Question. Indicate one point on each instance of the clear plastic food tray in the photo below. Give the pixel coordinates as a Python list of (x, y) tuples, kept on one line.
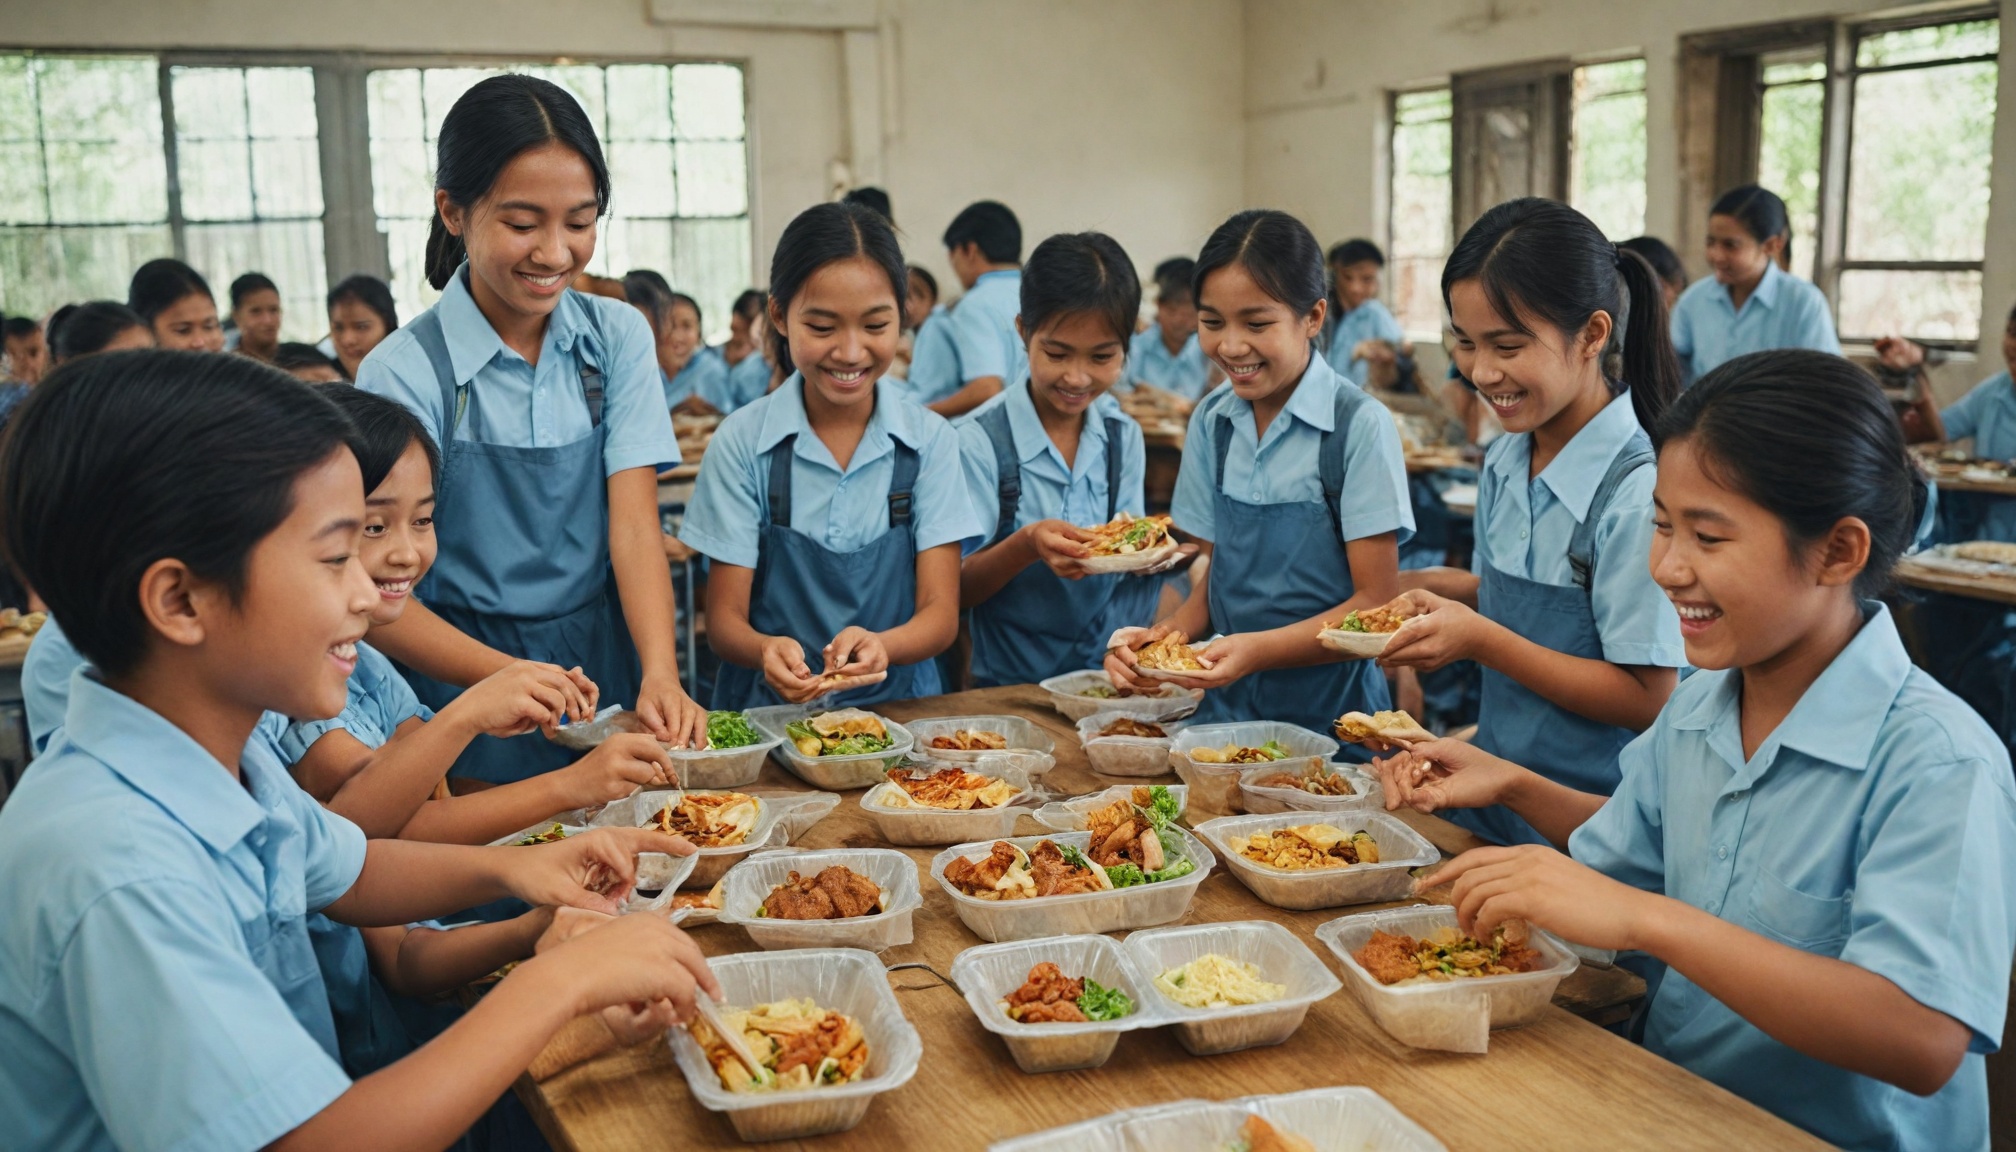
[(1281, 957), (583, 735), (833, 773), (662, 876), (1332, 1119), (1082, 914), (1069, 815), (749, 883), (1099, 1134), (1021, 733), (1215, 788), (988, 973), (842, 980), (781, 817), (697, 767), (1450, 1015), (1370, 796), (573, 822), (1126, 755), (1064, 697), (929, 827), (1400, 850)]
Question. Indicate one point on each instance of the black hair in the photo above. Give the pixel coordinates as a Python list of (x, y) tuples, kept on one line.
[(384, 430), (249, 283), (1173, 276), (1355, 251), (1274, 248), (487, 128), (655, 279), (1540, 258), (1660, 255), (15, 327), (924, 274), (817, 237), (160, 284), (1761, 212), (372, 293), (82, 329), (989, 224), (1811, 438), (748, 305), (873, 198), (1080, 272), (119, 461), (290, 356)]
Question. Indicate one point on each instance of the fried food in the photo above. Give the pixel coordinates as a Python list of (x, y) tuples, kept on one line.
[(1395, 727), (1314, 781), (13, 621), (1125, 535), (1009, 873), (1386, 618), (709, 819), (552, 833), (1257, 1135), (1214, 981), (1446, 954), (1308, 846), (836, 893), (1050, 997), (1240, 754), (1121, 835), (1172, 653), (971, 740), (799, 1044), (845, 732), (708, 899), (949, 789), (1127, 726)]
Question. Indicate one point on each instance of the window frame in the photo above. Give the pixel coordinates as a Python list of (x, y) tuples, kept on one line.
[(1393, 253)]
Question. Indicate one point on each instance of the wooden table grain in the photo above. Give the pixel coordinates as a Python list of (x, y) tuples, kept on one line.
[(1562, 1083), (2000, 589)]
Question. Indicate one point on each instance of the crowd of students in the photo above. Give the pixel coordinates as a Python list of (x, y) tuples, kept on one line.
[(305, 642)]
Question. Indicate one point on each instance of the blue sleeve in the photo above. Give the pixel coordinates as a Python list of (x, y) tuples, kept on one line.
[(1194, 506), (398, 369), (944, 511), (1375, 499), (1962, 420), (1635, 620), (1626, 838), (633, 409), (333, 852), (1815, 324), (726, 512), (747, 382), (980, 344), (934, 360), (1386, 325), (982, 475), (712, 385)]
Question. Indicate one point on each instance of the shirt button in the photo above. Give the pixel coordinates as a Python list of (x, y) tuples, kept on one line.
[(1256, 494), (1722, 853), (1522, 533)]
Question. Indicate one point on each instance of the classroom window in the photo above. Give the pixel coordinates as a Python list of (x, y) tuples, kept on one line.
[(1607, 146), (1422, 216), (1791, 104), (675, 140)]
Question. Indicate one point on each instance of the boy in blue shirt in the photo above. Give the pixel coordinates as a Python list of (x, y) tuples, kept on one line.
[(1364, 332), (984, 244), (1167, 355)]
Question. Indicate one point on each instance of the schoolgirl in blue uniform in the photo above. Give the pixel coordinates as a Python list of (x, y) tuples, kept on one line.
[(1813, 836), (553, 424), (695, 376), (1751, 303), (1294, 479), (832, 509), (1565, 337), (1049, 455)]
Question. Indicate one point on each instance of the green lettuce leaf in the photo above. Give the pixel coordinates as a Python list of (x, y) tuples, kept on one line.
[(1099, 1002)]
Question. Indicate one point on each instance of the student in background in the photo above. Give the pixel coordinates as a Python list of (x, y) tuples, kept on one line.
[(552, 420), (26, 351), (833, 508), (984, 244), (1665, 264), (95, 326), (1564, 336), (1751, 303), (933, 371), (361, 315), (875, 200), (1363, 331), (1167, 355), (255, 312), (693, 381), (306, 363), (749, 370), (1293, 480), (176, 303), (1807, 824)]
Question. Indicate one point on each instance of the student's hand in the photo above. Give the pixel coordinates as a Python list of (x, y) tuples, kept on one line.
[(669, 713), (784, 669), (635, 960), (1184, 554), (1122, 655), (1445, 632), (1546, 888), (617, 768), (1060, 545), (1899, 354), (523, 695), (855, 652), (1225, 659), (635, 1023), (1373, 352), (566, 923), (594, 870), (1440, 774)]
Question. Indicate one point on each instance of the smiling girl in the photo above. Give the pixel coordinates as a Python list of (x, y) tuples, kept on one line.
[(553, 425), (361, 315), (833, 507), (694, 381), (1751, 303), (176, 303)]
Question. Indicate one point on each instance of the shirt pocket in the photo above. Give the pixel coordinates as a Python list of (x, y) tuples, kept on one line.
[(1807, 922)]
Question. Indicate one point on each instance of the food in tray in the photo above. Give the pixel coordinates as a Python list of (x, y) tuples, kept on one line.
[(949, 789), (731, 730), (1108, 692), (14, 622), (1172, 653), (799, 1044), (1131, 838), (1125, 535), (710, 899), (1257, 1135), (1236, 753), (836, 893), (1308, 846), (1316, 781), (971, 740), (1395, 727), (709, 819), (1100, 692), (1050, 997), (555, 832), (1386, 618), (1446, 954), (1128, 726), (845, 732), (1986, 551), (1009, 873), (1214, 981)]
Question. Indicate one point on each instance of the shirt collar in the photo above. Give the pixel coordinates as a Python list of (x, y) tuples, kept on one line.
[(1575, 473), (998, 274), (1765, 295), (1315, 399), (784, 415), (1032, 440), (473, 343)]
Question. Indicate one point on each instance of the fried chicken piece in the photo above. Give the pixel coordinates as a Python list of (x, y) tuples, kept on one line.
[(1116, 842), (1390, 959), (1127, 726), (852, 894), (796, 899), (1047, 997), (971, 740), (1055, 877), (974, 879)]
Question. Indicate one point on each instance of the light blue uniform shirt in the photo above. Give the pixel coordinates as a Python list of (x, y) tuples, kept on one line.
[(843, 509), (157, 989), (380, 700), (934, 359), (1877, 825), (1987, 416), (1371, 320), (1281, 469), (519, 405), (747, 381), (1783, 312), (983, 328), (1524, 526), (45, 681), (1149, 361), (705, 376), (1051, 489)]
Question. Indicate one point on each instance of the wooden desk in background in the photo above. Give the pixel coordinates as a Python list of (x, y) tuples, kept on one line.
[(1560, 1084), (2000, 589)]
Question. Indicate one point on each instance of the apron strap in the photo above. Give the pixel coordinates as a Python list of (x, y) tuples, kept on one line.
[(779, 493), (1221, 443), (1636, 454), (1113, 468), (1007, 469), (901, 482), (1330, 455), (591, 376), (433, 341)]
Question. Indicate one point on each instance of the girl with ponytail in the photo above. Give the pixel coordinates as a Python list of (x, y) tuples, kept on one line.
[(1564, 335), (551, 417)]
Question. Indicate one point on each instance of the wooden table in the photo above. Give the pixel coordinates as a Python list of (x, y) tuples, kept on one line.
[(1562, 1083), (2001, 487), (1999, 589)]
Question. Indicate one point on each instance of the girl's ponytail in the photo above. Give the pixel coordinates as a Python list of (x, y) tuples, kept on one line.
[(1648, 363), (445, 253)]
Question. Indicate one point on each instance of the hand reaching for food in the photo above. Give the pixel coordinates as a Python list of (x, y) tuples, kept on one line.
[(1445, 774), (1061, 546), (785, 670), (855, 657), (1443, 632)]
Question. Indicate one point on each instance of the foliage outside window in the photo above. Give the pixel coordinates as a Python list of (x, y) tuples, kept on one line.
[(1420, 237)]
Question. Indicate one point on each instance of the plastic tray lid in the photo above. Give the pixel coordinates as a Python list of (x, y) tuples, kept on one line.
[(986, 973), (1280, 955)]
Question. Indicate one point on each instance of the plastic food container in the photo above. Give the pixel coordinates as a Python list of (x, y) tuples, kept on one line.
[(843, 980), (1215, 788), (1333, 1119), (1401, 849), (780, 819), (1099, 1134), (1450, 1015), (662, 876), (583, 735), (697, 767), (833, 773), (1069, 815), (1082, 914), (1064, 697), (987, 974), (1022, 734), (749, 883), (1126, 755), (927, 827), (1257, 798), (1281, 957), (572, 822)]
